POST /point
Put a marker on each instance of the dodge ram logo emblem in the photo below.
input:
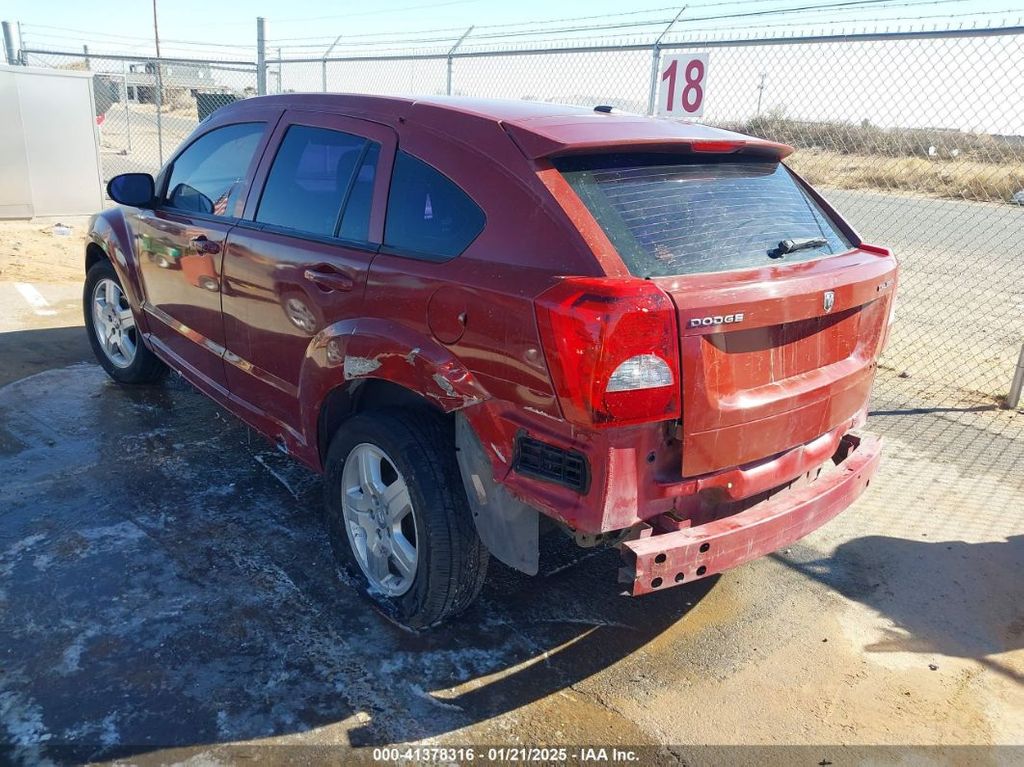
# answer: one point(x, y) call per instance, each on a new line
point(830, 300)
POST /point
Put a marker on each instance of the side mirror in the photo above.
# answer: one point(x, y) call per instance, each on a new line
point(134, 189)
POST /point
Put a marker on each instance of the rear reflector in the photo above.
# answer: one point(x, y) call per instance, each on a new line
point(612, 348)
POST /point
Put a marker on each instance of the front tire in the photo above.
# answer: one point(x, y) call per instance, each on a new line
point(398, 517)
point(116, 340)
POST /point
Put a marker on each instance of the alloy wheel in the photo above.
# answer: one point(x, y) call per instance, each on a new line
point(114, 323)
point(379, 520)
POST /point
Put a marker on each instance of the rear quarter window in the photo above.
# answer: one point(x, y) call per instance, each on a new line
point(674, 216)
point(429, 216)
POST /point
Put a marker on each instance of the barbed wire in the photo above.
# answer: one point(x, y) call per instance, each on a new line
point(477, 38)
point(621, 22)
point(539, 24)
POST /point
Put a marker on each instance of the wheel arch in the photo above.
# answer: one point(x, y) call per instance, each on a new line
point(109, 238)
point(356, 365)
point(351, 398)
point(93, 255)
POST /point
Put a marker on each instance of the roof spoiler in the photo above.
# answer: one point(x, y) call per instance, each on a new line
point(558, 137)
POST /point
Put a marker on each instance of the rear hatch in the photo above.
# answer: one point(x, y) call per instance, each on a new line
point(781, 315)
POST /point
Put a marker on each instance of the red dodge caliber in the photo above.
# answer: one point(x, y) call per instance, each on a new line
point(486, 322)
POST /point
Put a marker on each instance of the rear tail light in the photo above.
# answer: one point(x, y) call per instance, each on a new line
point(869, 248)
point(887, 333)
point(613, 350)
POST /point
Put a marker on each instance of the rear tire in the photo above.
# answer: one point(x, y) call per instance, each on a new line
point(416, 448)
point(116, 340)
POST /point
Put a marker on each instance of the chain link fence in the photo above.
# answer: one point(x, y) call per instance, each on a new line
point(916, 137)
point(146, 107)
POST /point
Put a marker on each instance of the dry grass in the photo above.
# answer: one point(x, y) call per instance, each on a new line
point(961, 179)
point(942, 163)
point(867, 139)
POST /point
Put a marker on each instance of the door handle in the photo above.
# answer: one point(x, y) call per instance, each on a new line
point(330, 280)
point(202, 245)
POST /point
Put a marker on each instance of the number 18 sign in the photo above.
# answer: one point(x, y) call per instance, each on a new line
point(681, 87)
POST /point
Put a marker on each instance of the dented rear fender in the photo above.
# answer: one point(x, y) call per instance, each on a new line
point(366, 348)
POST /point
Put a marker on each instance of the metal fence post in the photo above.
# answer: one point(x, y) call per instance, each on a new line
point(448, 87)
point(261, 59)
point(323, 64)
point(1013, 398)
point(9, 42)
point(159, 113)
point(652, 95)
point(127, 111)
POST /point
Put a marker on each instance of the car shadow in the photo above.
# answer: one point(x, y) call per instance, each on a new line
point(931, 410)
point(165, 583)
point(27, 352)
point(943, 597)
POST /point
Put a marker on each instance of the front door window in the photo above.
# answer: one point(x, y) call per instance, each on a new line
point(209, 176)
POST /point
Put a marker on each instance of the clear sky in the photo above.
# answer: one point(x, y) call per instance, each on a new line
point(226, 28)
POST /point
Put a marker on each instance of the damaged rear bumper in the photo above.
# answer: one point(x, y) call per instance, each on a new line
point(664, 559)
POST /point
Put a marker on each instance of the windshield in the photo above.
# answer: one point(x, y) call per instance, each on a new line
point(672, 215)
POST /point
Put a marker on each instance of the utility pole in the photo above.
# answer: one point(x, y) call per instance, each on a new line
point(159, 90)
point(451, 53)
point(261, 58)
point(655, 61)
point(156, 31)
point(8, 42)
point(760, 93)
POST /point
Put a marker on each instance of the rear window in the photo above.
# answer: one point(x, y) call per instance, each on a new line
point(671, 216)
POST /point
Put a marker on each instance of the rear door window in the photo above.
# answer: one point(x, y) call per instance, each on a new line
point(429, 216)
point(674, 216)
point(321, 183)
point(209, 176)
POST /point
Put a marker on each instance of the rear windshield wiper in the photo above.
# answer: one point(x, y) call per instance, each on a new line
point(792, 246)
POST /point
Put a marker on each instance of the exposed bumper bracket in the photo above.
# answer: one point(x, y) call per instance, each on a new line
point(668, 559)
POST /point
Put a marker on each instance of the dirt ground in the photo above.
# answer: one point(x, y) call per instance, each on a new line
point(31, 251)
point(166, 594)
